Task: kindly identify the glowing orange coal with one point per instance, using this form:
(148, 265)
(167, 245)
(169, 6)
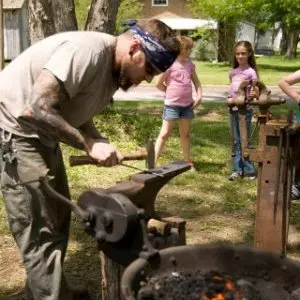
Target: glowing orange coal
(221, 285)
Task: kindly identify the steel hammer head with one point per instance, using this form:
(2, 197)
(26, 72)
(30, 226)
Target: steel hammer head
(150, 161)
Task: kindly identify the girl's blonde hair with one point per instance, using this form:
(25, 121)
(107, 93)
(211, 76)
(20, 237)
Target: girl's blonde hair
(251, 57)
(185, 42)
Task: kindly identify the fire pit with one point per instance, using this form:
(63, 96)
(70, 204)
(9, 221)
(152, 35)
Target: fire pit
(212, 272)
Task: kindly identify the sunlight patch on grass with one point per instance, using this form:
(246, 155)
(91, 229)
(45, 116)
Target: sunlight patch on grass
(211, 116)
(219, 228)
(4, 229)
(86, 177)
(12, 273)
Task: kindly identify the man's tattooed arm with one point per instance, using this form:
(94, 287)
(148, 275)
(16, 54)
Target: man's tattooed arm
(44, 114)
(90, 131)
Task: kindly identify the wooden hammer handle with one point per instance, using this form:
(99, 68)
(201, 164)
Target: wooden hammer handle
(87, 160)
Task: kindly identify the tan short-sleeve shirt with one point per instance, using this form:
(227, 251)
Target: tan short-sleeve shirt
(82, 60)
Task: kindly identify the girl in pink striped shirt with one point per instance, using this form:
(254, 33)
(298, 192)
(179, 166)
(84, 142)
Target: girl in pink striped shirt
(177, 82)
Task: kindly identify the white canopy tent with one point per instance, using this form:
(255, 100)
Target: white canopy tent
(189, 23)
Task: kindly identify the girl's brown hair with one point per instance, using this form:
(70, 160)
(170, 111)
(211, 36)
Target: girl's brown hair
(185, 42)
(251, 57)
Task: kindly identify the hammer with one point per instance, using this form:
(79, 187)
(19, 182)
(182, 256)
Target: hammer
(145, 153)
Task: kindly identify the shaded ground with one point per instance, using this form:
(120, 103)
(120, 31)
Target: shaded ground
(82, 267)
(83, 264)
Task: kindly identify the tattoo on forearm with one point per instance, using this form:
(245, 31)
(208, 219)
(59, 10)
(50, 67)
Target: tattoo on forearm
(90, 130)
(44, 113)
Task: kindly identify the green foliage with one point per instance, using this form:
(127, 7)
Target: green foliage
(226, 10)
(129, 9)
(205, 47)
(273, 11)
(81, 9)
(295, 214)
(262, 12)
(288, 11)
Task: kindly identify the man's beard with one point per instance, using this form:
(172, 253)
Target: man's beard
(124, 80)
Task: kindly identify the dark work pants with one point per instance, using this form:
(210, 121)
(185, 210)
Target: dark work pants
(38, 222)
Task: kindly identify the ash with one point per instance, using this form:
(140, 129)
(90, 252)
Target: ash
(197, 286)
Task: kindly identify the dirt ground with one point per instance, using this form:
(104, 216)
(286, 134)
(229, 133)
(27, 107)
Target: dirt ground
(83, 265)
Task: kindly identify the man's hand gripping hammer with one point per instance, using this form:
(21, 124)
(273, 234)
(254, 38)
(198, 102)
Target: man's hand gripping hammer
(145, 153)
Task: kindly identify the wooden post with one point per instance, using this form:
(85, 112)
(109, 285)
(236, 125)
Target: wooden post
(272, 213)
(178, 223)
(1, 37)
(111, 273)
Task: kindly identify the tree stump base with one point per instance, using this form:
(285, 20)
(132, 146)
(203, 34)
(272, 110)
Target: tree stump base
(112, 272)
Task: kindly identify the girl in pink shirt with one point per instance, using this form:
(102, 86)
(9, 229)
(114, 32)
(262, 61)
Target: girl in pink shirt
(244, 70)
(177, 82)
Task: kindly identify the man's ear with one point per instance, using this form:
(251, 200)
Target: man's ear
(135, 45)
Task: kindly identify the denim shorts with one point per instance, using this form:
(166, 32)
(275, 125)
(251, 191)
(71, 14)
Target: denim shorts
(178, 112)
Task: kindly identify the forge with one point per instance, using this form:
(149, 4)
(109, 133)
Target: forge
(216, 272)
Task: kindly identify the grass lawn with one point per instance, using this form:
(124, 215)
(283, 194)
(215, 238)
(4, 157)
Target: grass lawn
(270, 68)
(215, 209)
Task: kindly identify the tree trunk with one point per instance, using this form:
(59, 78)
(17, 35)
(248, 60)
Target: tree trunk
(226, 40)
(292, 42)
(47, 17)
(40, 19)
(111, 278)
(64, 15)
(283, 42)
(275, 31)
(102, 16)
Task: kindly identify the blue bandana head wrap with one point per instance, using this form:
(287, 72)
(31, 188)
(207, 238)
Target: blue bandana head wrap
(156, 53)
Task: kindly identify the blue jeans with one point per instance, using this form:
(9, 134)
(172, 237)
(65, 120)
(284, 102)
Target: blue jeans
(240, 165)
